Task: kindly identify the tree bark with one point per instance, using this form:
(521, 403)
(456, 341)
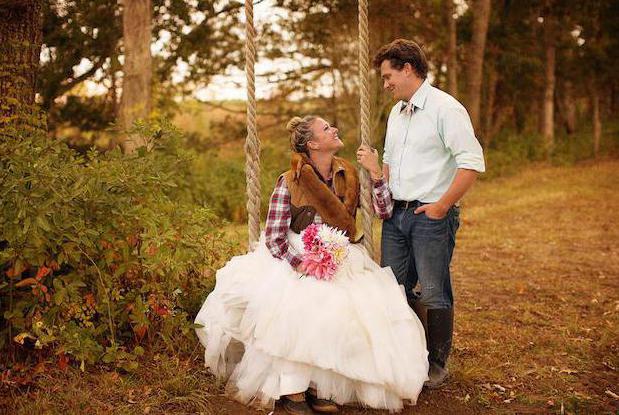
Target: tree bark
(503, 114)
(452, 56)
(493, 80)
(135, 101)
(481, 17)
(597, 122)
(549, 88)
(568, 105)
(20, 48)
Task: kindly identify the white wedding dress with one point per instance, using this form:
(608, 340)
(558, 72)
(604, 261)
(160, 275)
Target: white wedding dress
(270, 332)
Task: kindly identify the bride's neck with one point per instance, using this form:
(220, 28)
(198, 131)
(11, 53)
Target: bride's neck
(322, 163)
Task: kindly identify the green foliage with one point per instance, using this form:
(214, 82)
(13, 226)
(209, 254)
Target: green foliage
(101, 253)
(510, 151)
(197, 34)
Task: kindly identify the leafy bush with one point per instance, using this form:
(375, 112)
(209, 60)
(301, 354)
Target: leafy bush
(100, 253)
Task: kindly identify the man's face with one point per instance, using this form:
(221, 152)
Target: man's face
(396, 81)
(325, 137)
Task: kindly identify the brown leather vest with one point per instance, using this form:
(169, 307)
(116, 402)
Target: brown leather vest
(310, 195)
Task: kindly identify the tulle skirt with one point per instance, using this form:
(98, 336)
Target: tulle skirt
(271, 332)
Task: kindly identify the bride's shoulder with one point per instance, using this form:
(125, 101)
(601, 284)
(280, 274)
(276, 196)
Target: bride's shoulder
(282, 178)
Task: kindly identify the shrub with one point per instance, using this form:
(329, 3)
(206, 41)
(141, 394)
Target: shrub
(101, 253)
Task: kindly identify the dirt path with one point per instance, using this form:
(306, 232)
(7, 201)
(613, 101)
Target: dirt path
(536, 275)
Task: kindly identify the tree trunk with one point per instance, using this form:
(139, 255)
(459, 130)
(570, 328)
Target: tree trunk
(613, 97)
(493, 80)
(452, 56)
(135, 102)
(481, 16)
(568, 105)
(503, 114)
(20, 48)
(549, 80)
(597, 122)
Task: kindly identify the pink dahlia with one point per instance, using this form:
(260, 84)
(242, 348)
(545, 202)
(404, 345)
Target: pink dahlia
(319, 264)
(309, 236)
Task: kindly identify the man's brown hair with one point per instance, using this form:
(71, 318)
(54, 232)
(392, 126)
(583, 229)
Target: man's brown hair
(400, 52)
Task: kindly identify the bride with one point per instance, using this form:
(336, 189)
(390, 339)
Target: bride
(313, 343)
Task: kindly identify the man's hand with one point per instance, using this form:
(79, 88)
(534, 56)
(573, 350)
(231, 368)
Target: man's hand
(368, 158)
(462, 182)
(434, 211)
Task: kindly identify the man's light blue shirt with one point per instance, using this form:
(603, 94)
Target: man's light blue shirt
(425, 148)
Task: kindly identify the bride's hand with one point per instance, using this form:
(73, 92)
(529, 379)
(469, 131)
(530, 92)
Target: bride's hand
(368, 158)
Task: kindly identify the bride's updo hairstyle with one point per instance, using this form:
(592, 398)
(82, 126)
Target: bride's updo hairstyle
(300, 130)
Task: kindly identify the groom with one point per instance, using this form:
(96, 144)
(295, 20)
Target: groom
(431, 159)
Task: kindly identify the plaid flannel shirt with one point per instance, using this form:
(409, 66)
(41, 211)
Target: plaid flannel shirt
(279, 217)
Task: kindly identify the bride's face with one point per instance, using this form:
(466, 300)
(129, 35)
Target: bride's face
(325, 137)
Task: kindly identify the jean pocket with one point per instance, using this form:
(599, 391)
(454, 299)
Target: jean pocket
(436, 220)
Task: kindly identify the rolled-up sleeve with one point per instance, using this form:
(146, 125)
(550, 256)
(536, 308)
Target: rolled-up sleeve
(278, 223)
(381, 199)
(387, 148)
(456, 130)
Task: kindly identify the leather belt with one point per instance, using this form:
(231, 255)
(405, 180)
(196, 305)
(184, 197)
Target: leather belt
(406, 204)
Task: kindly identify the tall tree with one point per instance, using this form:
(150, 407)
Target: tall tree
(452, 52)
(198, 35)
(550, 29)
(135, 102)
(20, 46)
(475, 64)
(596, 61)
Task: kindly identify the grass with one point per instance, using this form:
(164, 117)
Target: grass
(537, 294)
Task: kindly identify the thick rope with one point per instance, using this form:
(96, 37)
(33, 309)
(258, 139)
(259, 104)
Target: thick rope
(252, 144)
(364, 98)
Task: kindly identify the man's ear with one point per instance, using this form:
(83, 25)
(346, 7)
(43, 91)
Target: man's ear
(408, 69)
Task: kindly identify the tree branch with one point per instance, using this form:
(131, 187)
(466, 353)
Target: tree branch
(235, 111)
(231, 7)
(70, 84)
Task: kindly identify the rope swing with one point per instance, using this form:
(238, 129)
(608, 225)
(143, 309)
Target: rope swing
(252, 143)
(364, 120)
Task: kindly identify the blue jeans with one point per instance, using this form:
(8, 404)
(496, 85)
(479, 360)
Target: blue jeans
(419, 249)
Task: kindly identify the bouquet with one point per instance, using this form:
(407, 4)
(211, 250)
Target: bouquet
(325, 248)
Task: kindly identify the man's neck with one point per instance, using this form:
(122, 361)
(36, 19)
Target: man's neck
(415, 85)
(322, 163)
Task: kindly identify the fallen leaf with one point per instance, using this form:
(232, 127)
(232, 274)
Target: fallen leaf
(499, 387)
(568, 371)
(63, 362)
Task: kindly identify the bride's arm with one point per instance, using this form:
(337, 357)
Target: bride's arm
(278, 223)
(381, 198)
(381, 195)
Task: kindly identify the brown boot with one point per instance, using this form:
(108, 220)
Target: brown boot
(320, 405)
(296, 405)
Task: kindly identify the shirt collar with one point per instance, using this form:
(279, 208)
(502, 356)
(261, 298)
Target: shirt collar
(421, 94)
